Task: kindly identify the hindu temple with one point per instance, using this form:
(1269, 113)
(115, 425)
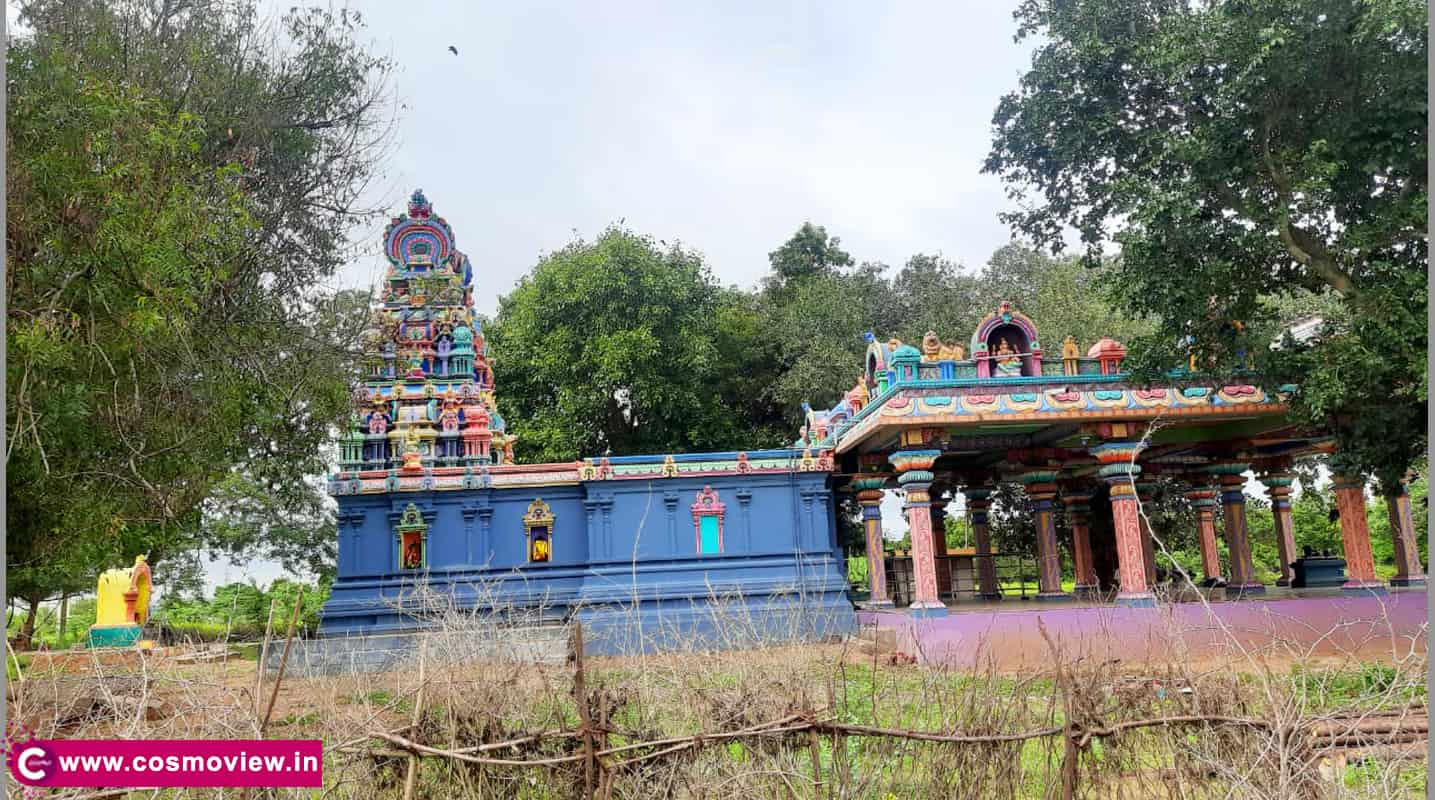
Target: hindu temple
(642, 549)
(652, 551)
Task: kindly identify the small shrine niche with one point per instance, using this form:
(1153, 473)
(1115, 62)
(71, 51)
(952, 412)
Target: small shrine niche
(1005, 345)
(708, 513)
(538, 529)
(412, 539)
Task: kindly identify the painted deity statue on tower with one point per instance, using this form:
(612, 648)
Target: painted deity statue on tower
(1006, 362)
(431, 372)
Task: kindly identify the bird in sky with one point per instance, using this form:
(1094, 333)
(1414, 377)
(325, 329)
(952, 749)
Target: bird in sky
(453, 49)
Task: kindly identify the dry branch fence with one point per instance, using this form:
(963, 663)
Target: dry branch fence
(602, 753)
(835, 721)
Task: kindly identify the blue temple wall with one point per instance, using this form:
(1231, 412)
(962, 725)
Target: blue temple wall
(625, 557)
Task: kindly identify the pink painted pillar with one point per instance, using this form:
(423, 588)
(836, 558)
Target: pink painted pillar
(1355, 532)
(869, 496)
(1408, 569)
(915, 476)
(1078, 515)
(1204, 499)
(1119, 469)
(1233, 506)
(1041, 488)
(1278, 486)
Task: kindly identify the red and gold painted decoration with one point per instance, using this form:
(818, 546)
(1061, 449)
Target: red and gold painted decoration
(538, 529)
(1355, 534)
(1278, 486)
(1119, 469)
(1233, 507)
(869, 496)
(978, 503)
(1204, 499)
(412, 536)
(1041, 488)
(1078, 515)
(1408, 569)
(915, 477)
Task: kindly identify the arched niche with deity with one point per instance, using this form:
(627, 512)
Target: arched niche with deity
(1005, 344)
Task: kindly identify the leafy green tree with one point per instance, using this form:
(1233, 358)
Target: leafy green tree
(609, 347)
(167, 329)
(1240, 153)
(809, 252)
(815, 331)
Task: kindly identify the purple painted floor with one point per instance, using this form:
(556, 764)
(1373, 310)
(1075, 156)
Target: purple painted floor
(1008, 636)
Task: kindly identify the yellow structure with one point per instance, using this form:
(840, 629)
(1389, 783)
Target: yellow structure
(121, 605)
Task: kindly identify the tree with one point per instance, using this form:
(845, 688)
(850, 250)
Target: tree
(166, 329)
(814, 330)
(809, 252)
(1240, 153)
(609, 347)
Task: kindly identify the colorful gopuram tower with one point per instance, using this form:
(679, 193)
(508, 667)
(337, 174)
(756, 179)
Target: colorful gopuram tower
(427, 397)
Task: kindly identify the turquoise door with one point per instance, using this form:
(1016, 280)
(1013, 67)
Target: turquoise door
(708, 535)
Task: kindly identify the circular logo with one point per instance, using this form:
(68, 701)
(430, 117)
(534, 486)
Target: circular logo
(33, 763)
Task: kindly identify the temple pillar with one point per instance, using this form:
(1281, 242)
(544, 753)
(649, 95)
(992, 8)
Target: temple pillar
(1204, 499)
(1041, 488)
(1119, 469)
(978, 502)
(869, 497)
(1408, 569)
(1355, 533)
(1233, 507)
(1278, 486)
(1145, 492)
(915, 477)
(1078, 514)
(939, 538)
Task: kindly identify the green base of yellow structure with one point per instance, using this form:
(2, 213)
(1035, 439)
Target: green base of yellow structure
(114, 635)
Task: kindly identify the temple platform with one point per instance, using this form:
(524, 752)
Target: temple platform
(1283, 624)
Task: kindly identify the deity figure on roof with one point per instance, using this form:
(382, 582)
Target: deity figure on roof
(1006, 362)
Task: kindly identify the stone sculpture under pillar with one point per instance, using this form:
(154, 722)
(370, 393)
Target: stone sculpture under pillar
(915, 477)
(869, 497)
(1041, 488)
(1119, 469)
(1078, 515)
(1355, 532)
(1408, 569)
(978, 502)
(1233, 506)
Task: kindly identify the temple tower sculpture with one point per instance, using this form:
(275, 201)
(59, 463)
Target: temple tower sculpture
(427, 399)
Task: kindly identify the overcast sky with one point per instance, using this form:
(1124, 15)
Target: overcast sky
(724, 128)
(721, 127)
